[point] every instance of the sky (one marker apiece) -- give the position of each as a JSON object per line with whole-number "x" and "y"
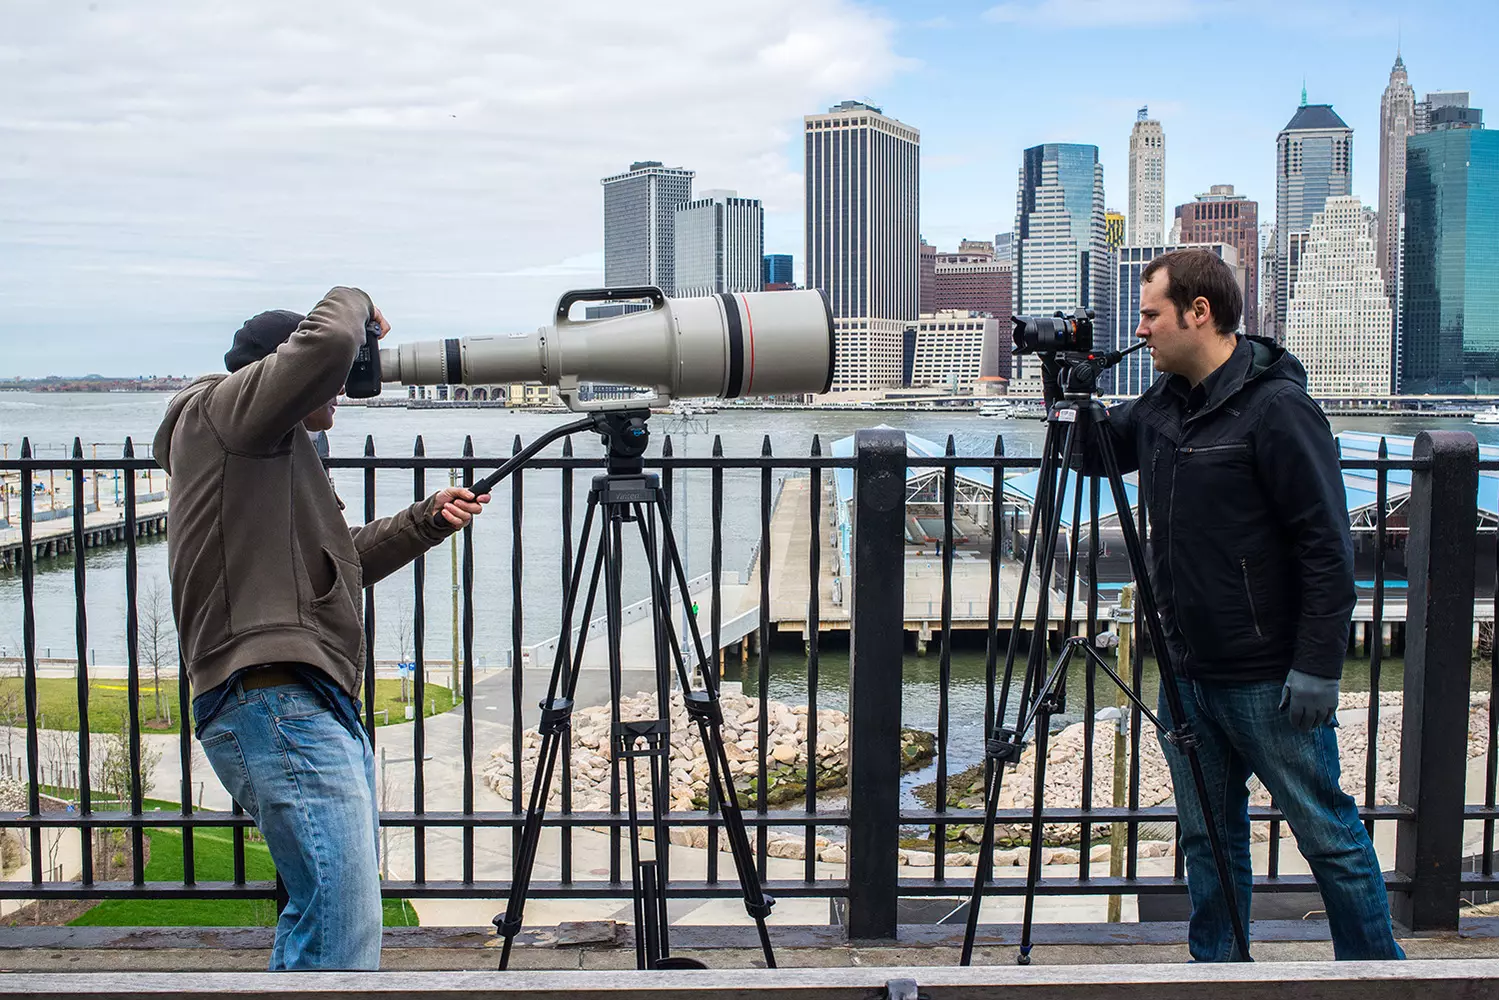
{"x": 168, "y": 168}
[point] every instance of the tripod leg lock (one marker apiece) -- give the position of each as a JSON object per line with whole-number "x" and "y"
{"x": 1005, "y": 747}
{"x": 701, "y": 706}
{"x": 556, "y": 716}
{"x": 761, "y": 910}
{"x": 1183, "y": 737}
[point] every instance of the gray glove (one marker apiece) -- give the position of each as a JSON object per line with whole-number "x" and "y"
{"x": 1310, "y": 699}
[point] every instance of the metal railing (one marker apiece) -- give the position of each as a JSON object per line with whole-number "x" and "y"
{"x": 1427, "y": 881}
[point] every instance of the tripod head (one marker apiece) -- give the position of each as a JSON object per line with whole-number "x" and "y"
{"x": 625, "y": 435}
{"x": 1076, "y": 373}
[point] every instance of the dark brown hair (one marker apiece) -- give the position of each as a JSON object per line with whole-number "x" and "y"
{"x": 1197, "y": 272}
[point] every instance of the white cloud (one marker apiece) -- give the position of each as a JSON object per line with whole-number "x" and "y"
{"x": 195, "y": 160}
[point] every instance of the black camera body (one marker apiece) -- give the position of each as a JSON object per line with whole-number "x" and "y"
{"x": 1057, "y": 332}
{"x": 364, "y": 375}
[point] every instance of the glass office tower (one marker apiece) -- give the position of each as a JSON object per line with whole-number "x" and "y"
{"x": 1450, "y": 323}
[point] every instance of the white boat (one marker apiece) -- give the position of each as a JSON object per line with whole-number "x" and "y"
{"x": 1489, "y": 416}
{"x": 997, "y": 408}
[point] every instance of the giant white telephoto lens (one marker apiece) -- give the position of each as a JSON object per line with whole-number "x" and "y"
{"x": 726, "y": 345}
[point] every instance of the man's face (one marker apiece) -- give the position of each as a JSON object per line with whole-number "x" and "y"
{"x": 321, "y": 419}
{"x": 1171, "y": 338}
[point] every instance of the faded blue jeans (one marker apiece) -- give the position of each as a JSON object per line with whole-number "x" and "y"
{"x": 309, "y": 783}
{"x": 1243, "y": 731}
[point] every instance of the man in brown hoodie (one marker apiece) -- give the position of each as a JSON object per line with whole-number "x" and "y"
{"x": 266, "y": 587}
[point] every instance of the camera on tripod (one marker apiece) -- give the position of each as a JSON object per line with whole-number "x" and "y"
{"x": 1069, "y": 365}
{"x": 1055, "y": 333}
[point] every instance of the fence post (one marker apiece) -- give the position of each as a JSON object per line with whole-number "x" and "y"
{"x": 876, "y": 650}
{"x": 1438, "y": 654}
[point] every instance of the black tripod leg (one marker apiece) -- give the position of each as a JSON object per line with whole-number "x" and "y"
{"x": 1040, "y": 636}
{"x": 1039, "y": 502}
{"x": 1002, "y": 752}
{"x": 613, "y": 615}
{"x": 554, "y": 728}
{"x": 1038, "y": 793}
{"x": 1181, "y": 734}
{"x": 704, "y": 708}
{"x": 985, "y": 867}
{"x": 645, "y": 948}
{"x": 660, "y": 766}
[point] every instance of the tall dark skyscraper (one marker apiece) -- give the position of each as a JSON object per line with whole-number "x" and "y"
{"x": 863, "y": 236}
{"x": 1313, "y": 162}
{"x": 1450, "y": 324}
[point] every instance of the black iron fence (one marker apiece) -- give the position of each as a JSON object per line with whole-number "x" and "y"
{"x": 870, "y": 817}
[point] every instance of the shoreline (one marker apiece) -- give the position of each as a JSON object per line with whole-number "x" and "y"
{"x": 966, "y": 409}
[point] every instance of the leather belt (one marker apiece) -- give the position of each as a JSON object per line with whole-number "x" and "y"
{"x": 270, "y": 675}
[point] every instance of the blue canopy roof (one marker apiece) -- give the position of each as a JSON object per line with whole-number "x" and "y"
{"x": 1362, "y": 483}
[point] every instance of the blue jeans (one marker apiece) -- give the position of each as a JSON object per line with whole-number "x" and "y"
{"x": 1243, "y": 731}
{"x": 309, "y": 783}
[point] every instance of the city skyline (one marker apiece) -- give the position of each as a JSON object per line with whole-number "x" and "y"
{"x": 148, "y": 212}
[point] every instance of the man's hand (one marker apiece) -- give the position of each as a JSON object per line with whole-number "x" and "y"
{"x": 379, "y": 317}
{"x": 1310, "y": 699}
{"x": 456, "y": 506}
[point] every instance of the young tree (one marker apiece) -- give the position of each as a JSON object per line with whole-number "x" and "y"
{"x": 403, "y": 628}
{"x": 112, "y": 779}
{"x": 157, "y": 635}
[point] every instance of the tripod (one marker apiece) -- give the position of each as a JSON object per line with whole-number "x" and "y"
{"x": 627, "y": 494}
{"x": 1075, "y": 427}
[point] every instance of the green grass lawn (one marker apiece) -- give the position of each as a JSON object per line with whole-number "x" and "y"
{"x": 213, "y": 859}
{"x": 57, "y": 703}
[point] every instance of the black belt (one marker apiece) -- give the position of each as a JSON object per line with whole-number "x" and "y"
{"x": 270, "y": 675}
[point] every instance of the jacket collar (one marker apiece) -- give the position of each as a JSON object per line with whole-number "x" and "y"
{"x": 1221, "y": 385}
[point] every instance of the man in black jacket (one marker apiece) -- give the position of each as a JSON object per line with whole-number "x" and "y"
{"x": 1252, "y": 564}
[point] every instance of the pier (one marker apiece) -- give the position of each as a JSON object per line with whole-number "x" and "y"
{"x": 52, "y": 528}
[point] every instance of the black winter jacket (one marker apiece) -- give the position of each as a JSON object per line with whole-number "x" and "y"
{"x": 1250, "y": 552}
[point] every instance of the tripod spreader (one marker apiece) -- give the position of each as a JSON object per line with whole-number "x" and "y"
{"x": 1005, "y": 747}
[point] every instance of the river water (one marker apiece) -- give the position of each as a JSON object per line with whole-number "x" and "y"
{"x": 51, "y": 421}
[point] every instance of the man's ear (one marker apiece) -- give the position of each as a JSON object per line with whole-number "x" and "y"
{"x": 1202, "y": 312}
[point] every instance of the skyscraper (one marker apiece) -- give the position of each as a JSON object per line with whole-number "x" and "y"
{"x": 1220, "y": 216}
{"x": 863, "y": 242}
{"x": 1147, "y": 180}
{"x": 640, "y": 209}
{"x": 720, "y": 244}
{"x": 1061, "y": 244}
{"x": 777, "y": 270}
{"x": 1450, "y": 327}
{"x": 1313, "y": 162}
{"x": 1397, "y": 122}
{"x": 1114, "y": 228}
{"x": 1338, "y": 323}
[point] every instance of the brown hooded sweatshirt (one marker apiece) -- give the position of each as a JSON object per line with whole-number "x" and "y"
{"x": 264, "y": 568}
